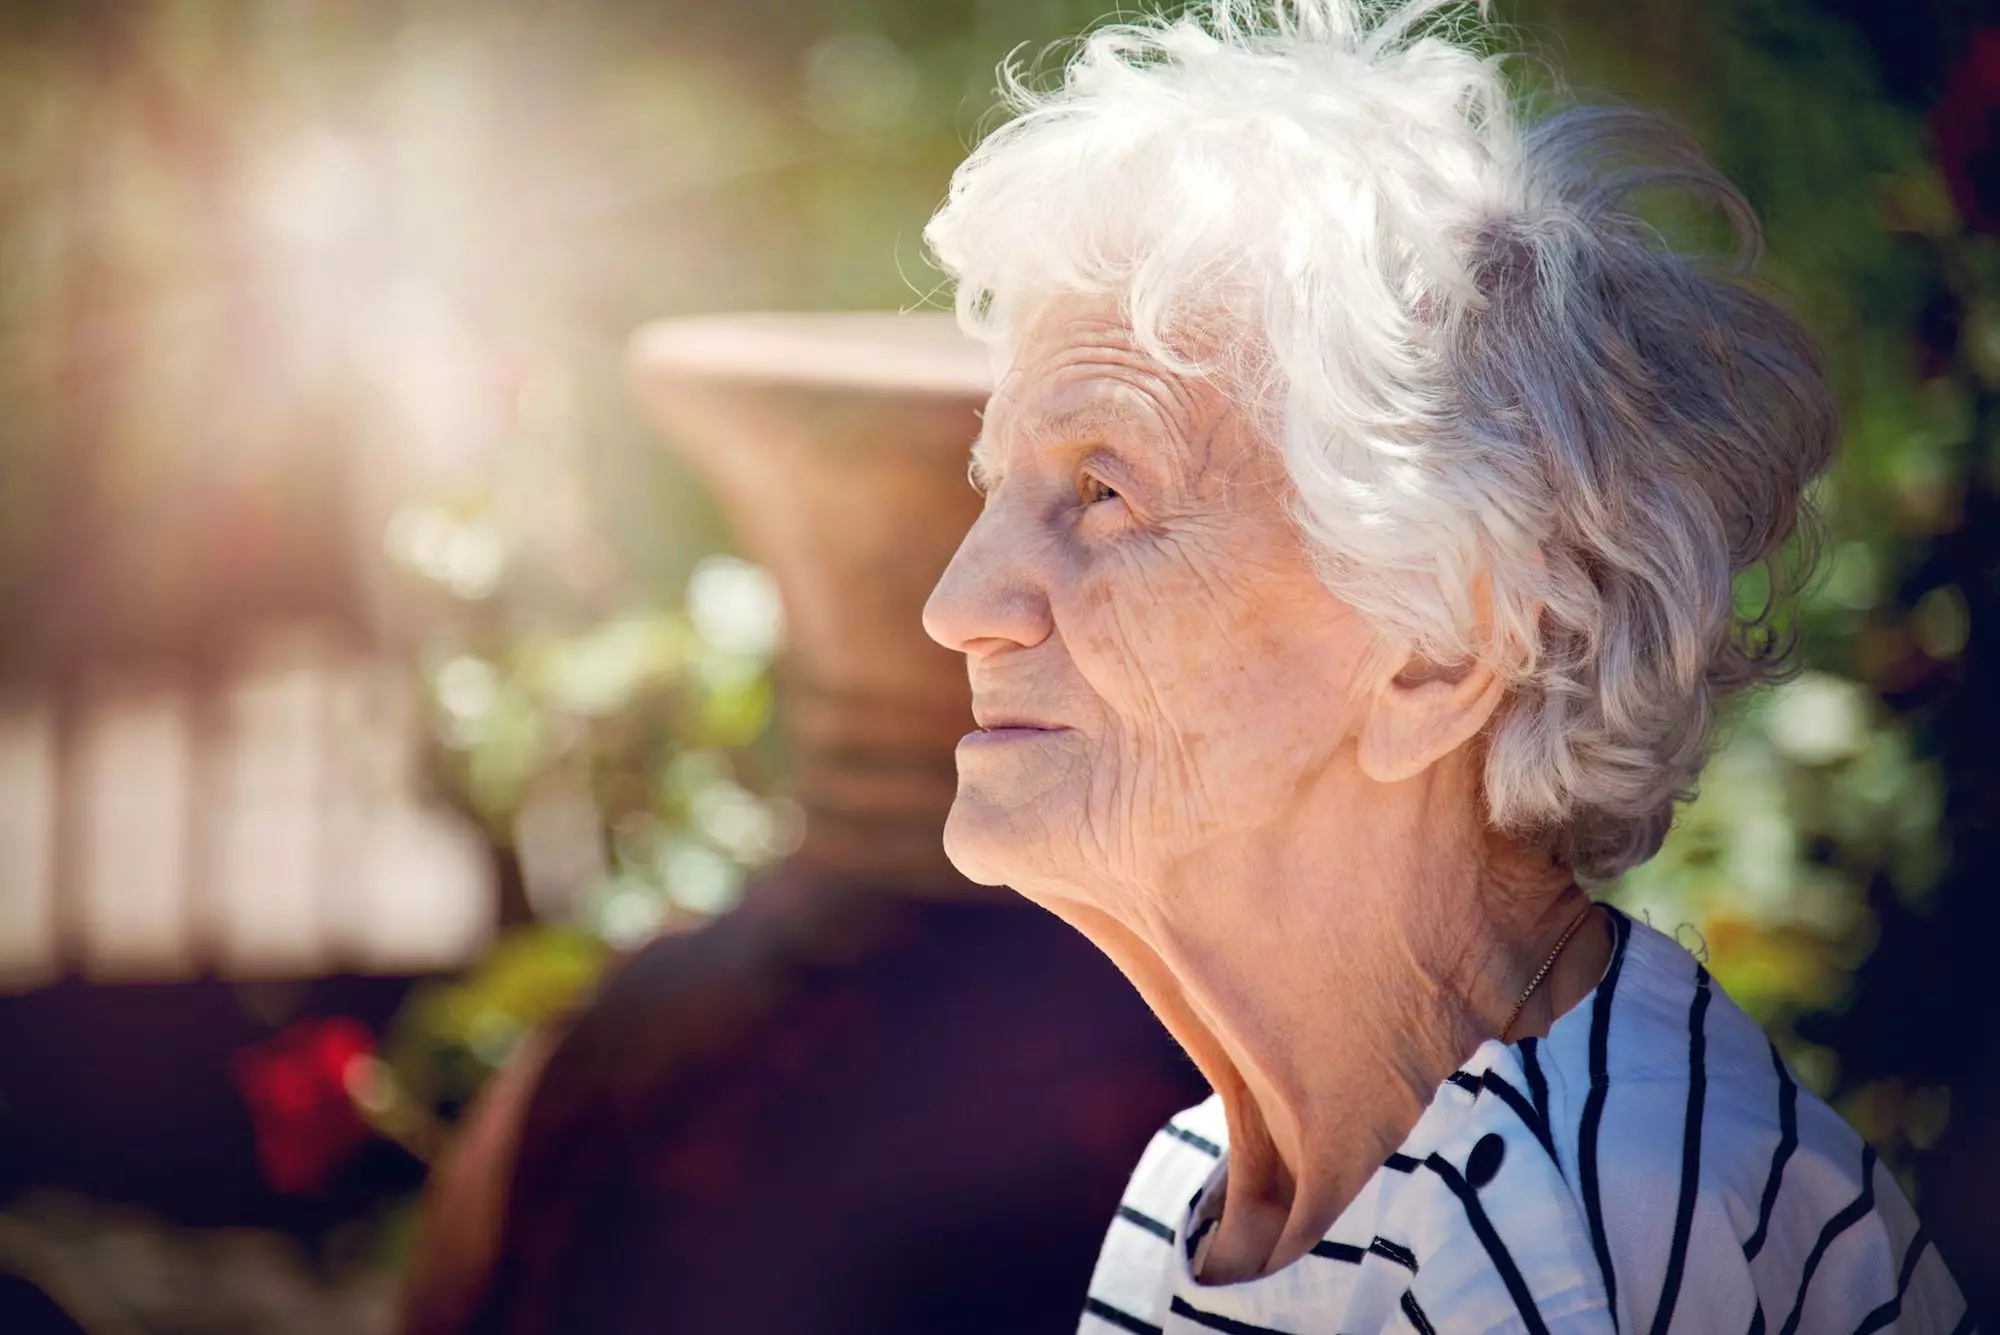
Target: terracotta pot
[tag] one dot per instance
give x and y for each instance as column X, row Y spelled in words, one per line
column 837, row 445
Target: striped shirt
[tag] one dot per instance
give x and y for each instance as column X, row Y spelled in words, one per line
column 1650, row 1166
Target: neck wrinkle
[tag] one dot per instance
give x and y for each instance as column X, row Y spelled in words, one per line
column 1368, row 974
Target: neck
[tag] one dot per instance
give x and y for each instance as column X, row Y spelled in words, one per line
column 1328, row 974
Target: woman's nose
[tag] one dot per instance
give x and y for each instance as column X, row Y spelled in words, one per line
column 989, row 598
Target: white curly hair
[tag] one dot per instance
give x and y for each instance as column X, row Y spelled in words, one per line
column 1520, row 426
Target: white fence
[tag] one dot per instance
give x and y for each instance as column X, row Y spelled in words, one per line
column 268, row 824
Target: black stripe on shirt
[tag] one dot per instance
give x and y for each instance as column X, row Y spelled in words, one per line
column 1593, row 1110
column 1964, row 1326
column 1416, row 1314
column 1104, row 1311
column 1339, row 1251
column 1400, row 1163
column 1395, row 1251
column 1856, row 1210
column 1530, row 1116
column 1145, row 1221
column 1788, row 1140
column 1677, row 1255
column 1202, row 1143
column 1353, row 1255
column 1892, row 1309
column 1216, row 1321
column 1466, row 1081
column 1489, row 1237
column 1757, row 1319
column 1538, row 1084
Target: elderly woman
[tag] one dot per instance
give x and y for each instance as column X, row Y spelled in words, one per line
column 1366, row 487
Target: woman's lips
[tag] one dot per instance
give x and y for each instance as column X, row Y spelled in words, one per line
column 1005, row 734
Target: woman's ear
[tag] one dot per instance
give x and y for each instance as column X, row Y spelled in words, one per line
column 1421, row 712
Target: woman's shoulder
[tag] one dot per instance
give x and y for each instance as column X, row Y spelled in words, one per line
column 1661, row 1068
column 1703, row 1173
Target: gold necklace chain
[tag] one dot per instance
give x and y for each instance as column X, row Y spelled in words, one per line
column 1543, row 972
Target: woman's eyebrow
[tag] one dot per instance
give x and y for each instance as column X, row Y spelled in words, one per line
column 1070, row 425
column 1065, row 427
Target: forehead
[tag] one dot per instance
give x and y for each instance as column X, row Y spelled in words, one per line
column 1078, row 370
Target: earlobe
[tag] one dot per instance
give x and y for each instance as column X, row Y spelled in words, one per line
column 1422, row 714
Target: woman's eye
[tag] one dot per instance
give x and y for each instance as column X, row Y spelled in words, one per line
column 1091, row 490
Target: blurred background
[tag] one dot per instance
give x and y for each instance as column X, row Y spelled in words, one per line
column 372, row 673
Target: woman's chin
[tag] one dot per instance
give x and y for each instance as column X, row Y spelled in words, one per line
column 982, row 840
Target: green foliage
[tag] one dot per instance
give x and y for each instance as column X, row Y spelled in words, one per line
column 451, row 1035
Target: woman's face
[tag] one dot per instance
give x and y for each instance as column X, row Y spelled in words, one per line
column 1158, row 668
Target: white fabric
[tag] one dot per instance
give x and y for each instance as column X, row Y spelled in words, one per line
column 1837, row 1248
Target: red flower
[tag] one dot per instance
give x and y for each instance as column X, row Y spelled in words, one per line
column 1966, row 126
column 296, row 1084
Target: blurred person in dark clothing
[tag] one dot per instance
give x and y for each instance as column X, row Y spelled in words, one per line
column 833, row 1111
